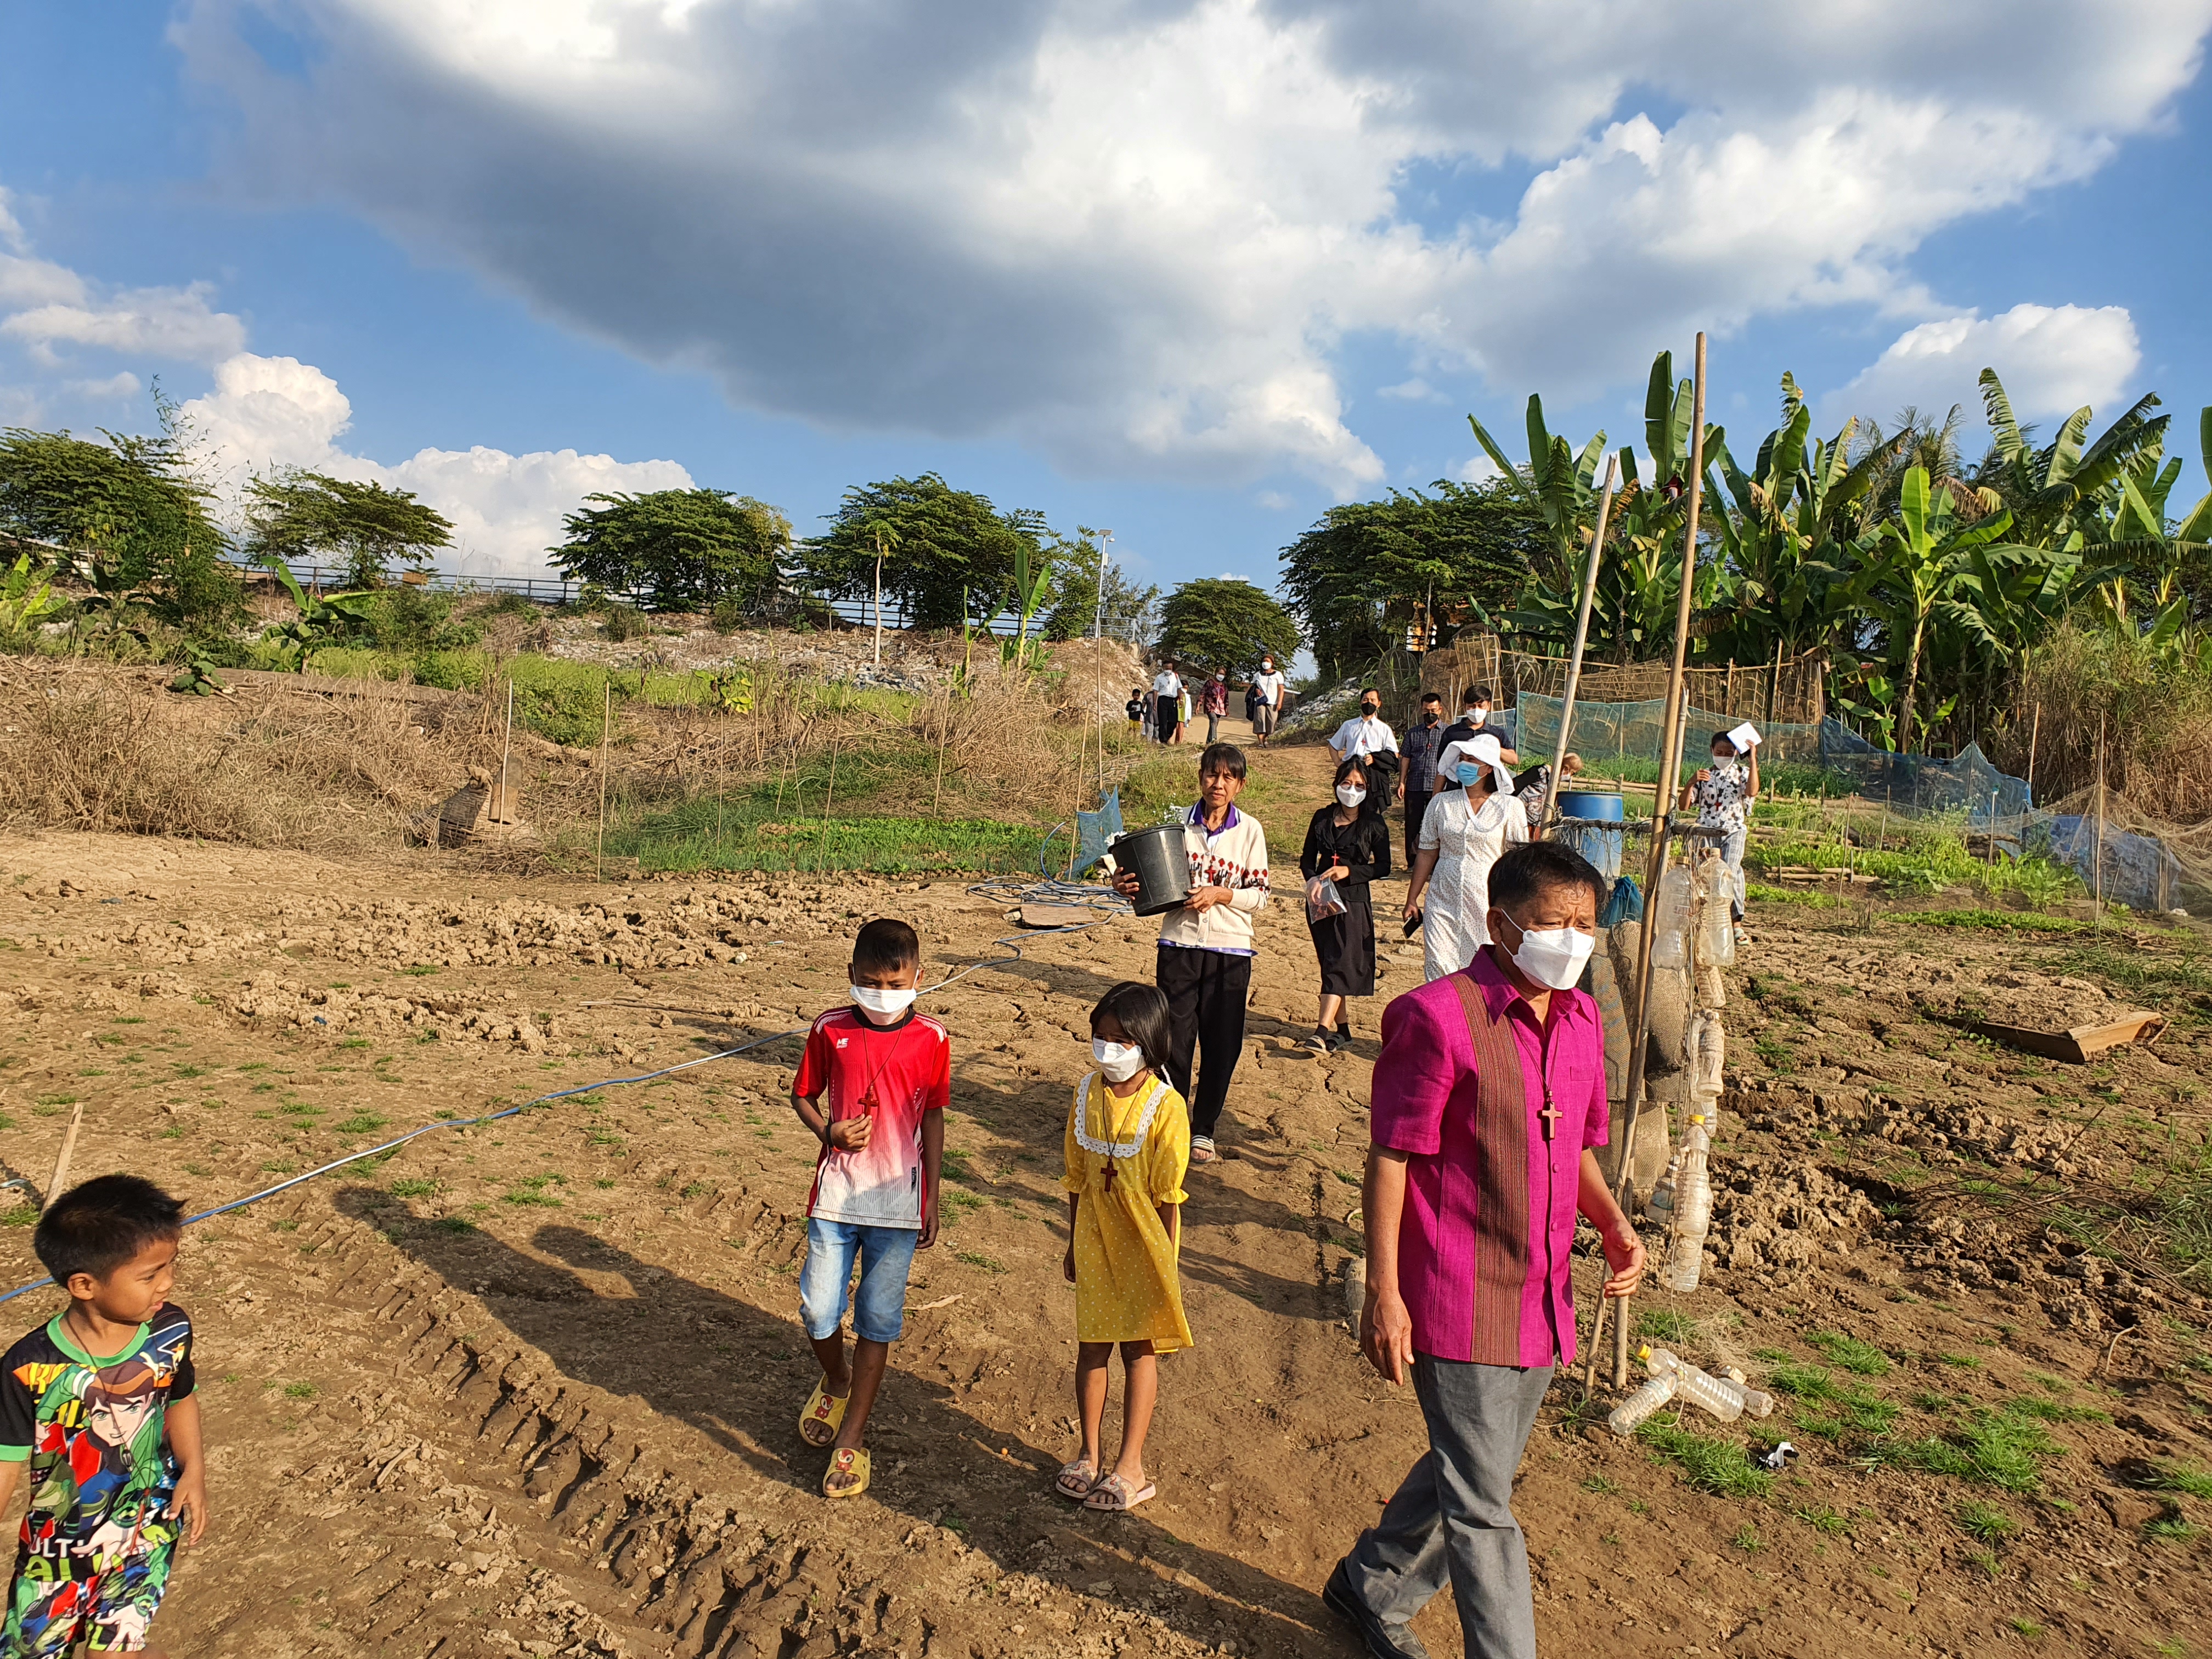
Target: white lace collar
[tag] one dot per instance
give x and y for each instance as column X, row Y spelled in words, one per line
column 1128, row 1148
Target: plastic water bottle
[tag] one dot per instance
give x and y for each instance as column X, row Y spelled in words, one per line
column 1632, row 1412
column 1670, row 915
column 1724, row 1399
column 1708, row 1045
column 1693, row 1209
column 1661, row 1205
column 1717, row 930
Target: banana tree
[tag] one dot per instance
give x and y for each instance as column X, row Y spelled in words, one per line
column 318, row 621
column 2070, row 484
column 1557, row 483
column 1032, row 593
column 22, row 604
column 1930, row 552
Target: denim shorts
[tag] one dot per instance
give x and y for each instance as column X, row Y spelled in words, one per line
column 885, row 1254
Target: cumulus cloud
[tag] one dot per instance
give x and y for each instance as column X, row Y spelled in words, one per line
column 1136, row 235
column 1415, row 391
column 2052, row 360
column 265, row 414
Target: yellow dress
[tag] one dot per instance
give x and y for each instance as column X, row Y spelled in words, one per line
column 1126, row 1284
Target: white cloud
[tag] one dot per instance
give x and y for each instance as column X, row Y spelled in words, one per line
column 159, row 322
column 1476, row 468
column 114, row 388
column 1415, row 391
column 268, row 413
column 1274, row 501
column 2052, row 360
column 1136, row 235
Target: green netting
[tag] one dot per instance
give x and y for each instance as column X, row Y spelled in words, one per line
column 1608, row 732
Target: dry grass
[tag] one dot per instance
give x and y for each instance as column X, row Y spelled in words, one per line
column 87, row 752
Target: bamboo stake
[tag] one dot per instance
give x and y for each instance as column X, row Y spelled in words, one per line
column 2097, row 846
column 1582, row 637
column 506, row 756
column 830, row 794
column 2034, row 731
column 606, row 730
column 1662, row 808
column 55, row 1186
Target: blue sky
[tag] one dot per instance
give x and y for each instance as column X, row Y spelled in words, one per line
column 1190, row 272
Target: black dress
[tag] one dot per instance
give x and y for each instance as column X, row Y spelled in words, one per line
column 1346, row 944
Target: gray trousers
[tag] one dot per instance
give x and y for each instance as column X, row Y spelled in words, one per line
column 1732, row 856
column 1452, row 1518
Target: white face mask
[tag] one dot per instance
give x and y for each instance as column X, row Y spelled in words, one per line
column 1555, row 957
column 1351, row 794
column 1119, row 1061
column 883, row 1002
column 1476, row 716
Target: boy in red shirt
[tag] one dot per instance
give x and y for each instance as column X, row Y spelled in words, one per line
column 872, row 1088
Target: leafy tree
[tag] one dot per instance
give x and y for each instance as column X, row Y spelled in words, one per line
column 1130, row 613
column 690, row 548
column 1355, row 576
column 1929, row 554
column 952, row 547
column 302, row 515
column 130, row 508
column 1225, row 623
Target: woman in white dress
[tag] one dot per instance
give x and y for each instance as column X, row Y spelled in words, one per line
column 1461, row 836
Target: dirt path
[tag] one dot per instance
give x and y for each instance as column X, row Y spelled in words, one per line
column 528, row 1388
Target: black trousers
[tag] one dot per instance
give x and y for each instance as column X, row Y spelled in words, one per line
column 1417, row 808
column 1206, row 991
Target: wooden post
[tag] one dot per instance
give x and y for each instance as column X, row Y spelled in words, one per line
column 2097, row 845
column 1581, row 638
column 1662, row 805
column 2034, row 731
column 55, row 1186
column 830, row 794
column 606, row 730
column 506, row 814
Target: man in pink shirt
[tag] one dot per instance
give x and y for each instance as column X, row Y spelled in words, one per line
column 1488, row 1095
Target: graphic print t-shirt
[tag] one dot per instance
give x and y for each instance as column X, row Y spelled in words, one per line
column 93, row 1431
column 893, row 1073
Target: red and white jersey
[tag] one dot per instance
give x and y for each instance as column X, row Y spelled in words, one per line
column 894, row 1074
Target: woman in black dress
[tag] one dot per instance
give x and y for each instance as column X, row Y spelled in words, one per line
column 1348, row 842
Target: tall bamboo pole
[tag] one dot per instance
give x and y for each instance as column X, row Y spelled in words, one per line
column 606, row 730
column 1663, row 810
column 1551, row 811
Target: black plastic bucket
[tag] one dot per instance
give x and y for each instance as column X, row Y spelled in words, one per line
column 1161, row 859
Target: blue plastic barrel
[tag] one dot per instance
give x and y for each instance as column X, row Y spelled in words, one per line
column 1600, row 845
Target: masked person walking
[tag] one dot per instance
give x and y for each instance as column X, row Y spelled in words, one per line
column 1167, row 701
column 1722, row 793
column 1488, row 1097
column 1474, row 720
column 1421, row 750
column 1466, row 831
column 1213, row 703
column 1347, row 846
column 1205, row 966
column 1269, row 689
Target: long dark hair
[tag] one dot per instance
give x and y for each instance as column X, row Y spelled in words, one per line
column 1345, row 768
column 1142, row 1011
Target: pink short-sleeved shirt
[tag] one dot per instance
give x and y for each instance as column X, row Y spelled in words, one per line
column 1425, row 1104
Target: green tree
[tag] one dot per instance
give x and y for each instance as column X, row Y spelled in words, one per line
column 690, row 548
column 1227, row 624
column 130, row 509
column 1931, row 553
column 953, row 548
column 1354, row 577
column 1130, row 613
column 302, row 515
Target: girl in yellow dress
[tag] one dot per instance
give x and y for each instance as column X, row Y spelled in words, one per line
column 1128, row 1146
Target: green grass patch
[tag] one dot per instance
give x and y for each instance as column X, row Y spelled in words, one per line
column 414, row 1187
column 1851, row 1353
column 1720, row 1466
column 1806, row 897
column 531, row 1191
column 1995, row 1448
column 1985, row 1522
column 2053, row 1411
column 20, row 1215
column 1663, row 1325
column 989, row 1264
column 1831, row 1406
column 2013, row 921
column 2178, row 1476
column 1822, row 1519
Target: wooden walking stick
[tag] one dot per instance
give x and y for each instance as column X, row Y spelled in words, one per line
column 1662, row 805
column 1582, row 637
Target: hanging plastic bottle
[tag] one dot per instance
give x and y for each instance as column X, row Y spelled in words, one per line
column 1694, row 1208
column 1725, row 1400
column 1717, row 923
column 1650, row 1395
column 1671, row 916
column 1661, row 1205
column 1708, row 1047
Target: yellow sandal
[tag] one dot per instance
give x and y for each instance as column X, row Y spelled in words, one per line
column 848, row 1475
column 824, row 1416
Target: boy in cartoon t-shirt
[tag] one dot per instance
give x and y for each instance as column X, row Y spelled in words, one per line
column 98, row 1402
column 872, row 1088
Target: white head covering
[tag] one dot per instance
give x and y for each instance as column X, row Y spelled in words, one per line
column 1482, row 748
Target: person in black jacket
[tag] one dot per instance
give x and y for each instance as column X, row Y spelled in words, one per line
column 1421, row 748
column 1348, row 844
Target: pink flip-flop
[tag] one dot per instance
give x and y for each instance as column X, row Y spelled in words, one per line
column 1113, row 1495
